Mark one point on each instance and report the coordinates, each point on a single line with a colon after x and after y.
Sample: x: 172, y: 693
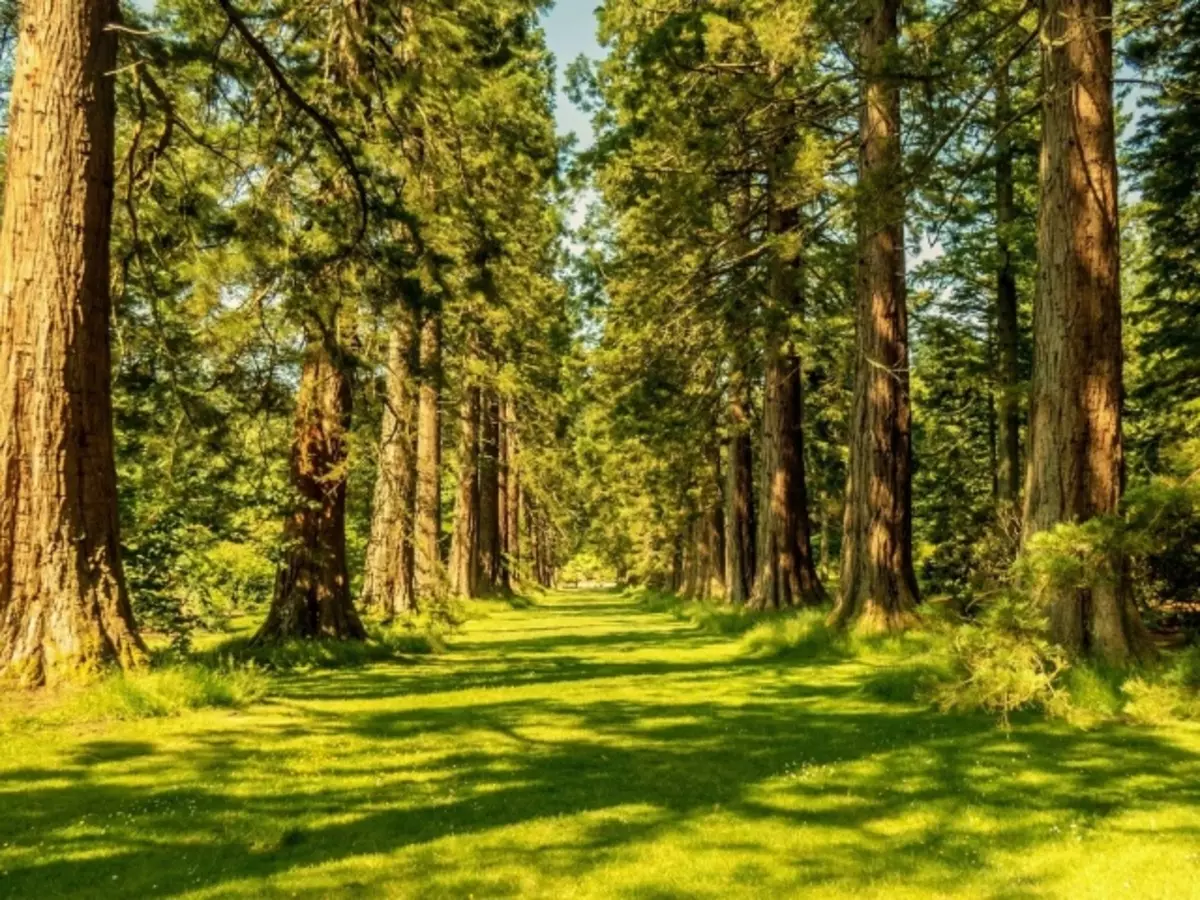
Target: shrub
x: 1005, y: 663
x: 1158, y: 703
x: 803, y: 633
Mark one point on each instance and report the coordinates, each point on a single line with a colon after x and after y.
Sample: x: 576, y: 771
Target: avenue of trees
x: 878, y: 304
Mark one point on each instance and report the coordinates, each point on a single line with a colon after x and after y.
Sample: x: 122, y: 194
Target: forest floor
x: 585, y: 747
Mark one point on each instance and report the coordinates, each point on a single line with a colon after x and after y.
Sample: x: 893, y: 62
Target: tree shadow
x: 421, y: 755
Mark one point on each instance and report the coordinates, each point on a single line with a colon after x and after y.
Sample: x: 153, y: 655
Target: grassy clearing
x: 592, y: 748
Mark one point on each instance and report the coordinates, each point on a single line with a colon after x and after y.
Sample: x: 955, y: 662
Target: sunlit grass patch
x: 385, y: 643
x: 588, y: 748
x: 165, y: 690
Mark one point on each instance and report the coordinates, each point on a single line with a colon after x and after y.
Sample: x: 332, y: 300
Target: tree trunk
x: 489, y: 496
x: 63, y: 602
x: 879, y: 587
x: 512, y: 545
x: 430, y: 576
x: 1076, y: 466
x: 787, y: 575
x: 1008, y: 376
x: 716, y: 515
x: 503, y: 479
x: 312, y: 592
x: 464, y: 548
x: 740, y: 518
x: 388, y: 578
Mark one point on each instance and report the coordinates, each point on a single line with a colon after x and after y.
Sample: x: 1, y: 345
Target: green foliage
x: 801, y: 635
x: 1006, y: 662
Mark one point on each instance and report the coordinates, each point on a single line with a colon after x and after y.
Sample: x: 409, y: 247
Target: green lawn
x: 587, y: 748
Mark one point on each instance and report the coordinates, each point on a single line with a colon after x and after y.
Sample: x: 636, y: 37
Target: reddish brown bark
x: 878, y: 585
x: 1076, y: 466
x: 63, y: 601
x: 490, y: 554
x: 430, y: 573
x: 388, y: 580
x: 787, y: 575
x: 508, y: 487
x: 740, y: 512
x: 312, y: 591
x: 464, y: 547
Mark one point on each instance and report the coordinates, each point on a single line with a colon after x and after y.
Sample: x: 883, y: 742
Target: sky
x: 571, y: 32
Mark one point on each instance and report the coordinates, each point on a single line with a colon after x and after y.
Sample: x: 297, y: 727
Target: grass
x: 590, y: 747
x: 166, y: 690
x: 386, y: 644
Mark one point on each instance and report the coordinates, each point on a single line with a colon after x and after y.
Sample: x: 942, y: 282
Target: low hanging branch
x: 328, y: 129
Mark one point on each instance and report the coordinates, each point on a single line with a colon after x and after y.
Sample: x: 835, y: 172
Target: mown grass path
x: 587, y: 748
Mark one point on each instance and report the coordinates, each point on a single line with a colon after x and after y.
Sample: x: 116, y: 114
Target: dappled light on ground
x: 586, y: 747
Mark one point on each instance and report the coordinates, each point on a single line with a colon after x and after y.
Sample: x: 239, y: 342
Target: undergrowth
x: 159, y: 692
x: 385, y: 643
x: 1001, y: 664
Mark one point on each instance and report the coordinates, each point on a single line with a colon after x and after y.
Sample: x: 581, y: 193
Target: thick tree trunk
x: 787, y: 575
x: 490, y: 557
x: 312, y: 592
x: 1076, y: 466
x: 63, y: 601
x: 879, y: 587
x: 388, y: 579
x: 464, y: 547
x: 1008, y: 376
x: 430, y: 575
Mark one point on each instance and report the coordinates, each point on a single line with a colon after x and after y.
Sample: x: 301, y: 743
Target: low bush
x: 804, y: 633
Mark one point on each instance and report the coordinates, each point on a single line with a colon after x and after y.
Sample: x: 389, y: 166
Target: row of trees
x: 765, y: 169
x: 317, y: 227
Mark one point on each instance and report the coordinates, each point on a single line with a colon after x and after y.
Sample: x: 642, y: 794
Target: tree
x: 464, y: 550
x: 312, y: 593
x: 490, y: 558
x: 787, y: 574
x: 429, y: 569
x: 63, y: 600
x: 879, y: 587
x: 1076, y: 466
x: 388, y: 580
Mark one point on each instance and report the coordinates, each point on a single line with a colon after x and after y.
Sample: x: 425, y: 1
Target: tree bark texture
x: 430, y: 574
x: 490, y: 554
x: 740, y: 513
x: 388, y: 580
x: 64, y: 607
x: 787, y: 575
x: 512, y: 497
x: 464, y: 547
x: 1076, y: 466
x: 878, y: 584
x: 312, y: 591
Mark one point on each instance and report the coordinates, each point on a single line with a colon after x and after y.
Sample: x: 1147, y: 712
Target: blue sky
x: 571, y: 32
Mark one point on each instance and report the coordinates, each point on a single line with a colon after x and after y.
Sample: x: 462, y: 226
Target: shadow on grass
x: 207, y: 817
